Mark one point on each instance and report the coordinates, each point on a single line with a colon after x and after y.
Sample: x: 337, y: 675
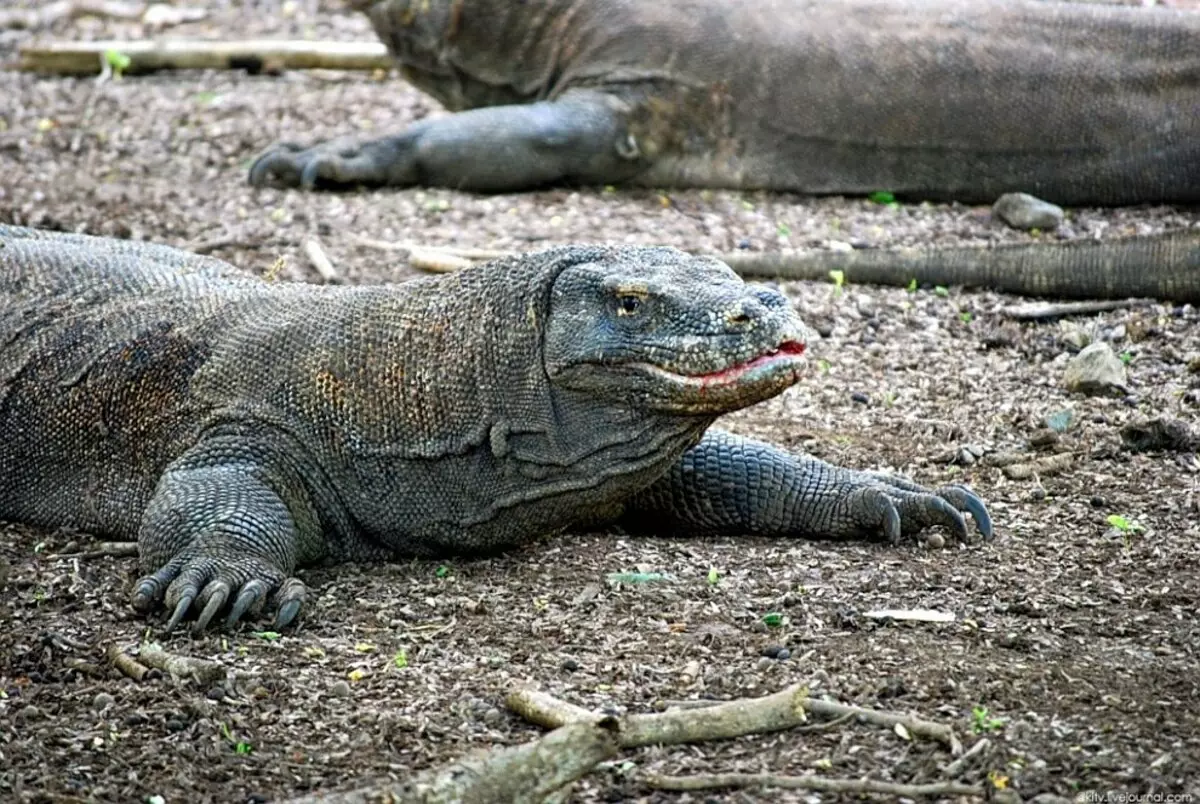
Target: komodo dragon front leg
x: 729, y: 484
x: 579, y: 138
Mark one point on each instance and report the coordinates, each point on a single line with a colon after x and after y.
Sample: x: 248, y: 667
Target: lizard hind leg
x: 214, y: 538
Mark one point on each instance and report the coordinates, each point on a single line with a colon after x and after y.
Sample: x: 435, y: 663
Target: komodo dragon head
x: 660, y: 329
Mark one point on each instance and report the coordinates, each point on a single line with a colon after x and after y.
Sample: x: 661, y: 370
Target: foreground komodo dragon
x: 939, y: 99
x: 240, y: 428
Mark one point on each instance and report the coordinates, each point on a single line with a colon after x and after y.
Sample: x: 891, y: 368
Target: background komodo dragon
x: 938, y: 99
x: 240, y: 428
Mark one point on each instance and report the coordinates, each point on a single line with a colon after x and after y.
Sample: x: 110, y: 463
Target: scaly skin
x: 942, y: 99
x: 240, y: 429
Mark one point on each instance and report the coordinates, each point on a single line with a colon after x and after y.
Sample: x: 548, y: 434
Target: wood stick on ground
x: 531, y: 772
x: 154, y: 14
x: 125, y: 663
x: 102, y: 550
x: 254, y: 55
x: 777, y: 712
x: 743, y: 780
x: 202, y: 670
x: 1043, y: 312
x: 1048, y: 465
x: 320, y: 261
x: 956, y: 767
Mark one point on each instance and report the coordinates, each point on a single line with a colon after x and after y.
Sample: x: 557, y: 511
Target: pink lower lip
x: 786, y: 350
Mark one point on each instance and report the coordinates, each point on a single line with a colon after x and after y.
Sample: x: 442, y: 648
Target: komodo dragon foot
x: 731, y: 484
x: 223, y: 534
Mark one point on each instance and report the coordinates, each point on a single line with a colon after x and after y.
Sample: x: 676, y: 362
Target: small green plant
x: 912, y: 285
x: 1123, y: 524
x: 889, y: 399
x: 773, y: 619
x: 839, y: 281
x: 400, y: 660
x: 882, y: 197
x: 941, y: 290
x: 117, y: 61
x: 783, y: 230
x: 1127, y: 357
x: 966, y: 317
x: 982, y: 720
x: 269, y: 636
x: 442, y: 571
x: 243, y: 748
x: 823, y: 366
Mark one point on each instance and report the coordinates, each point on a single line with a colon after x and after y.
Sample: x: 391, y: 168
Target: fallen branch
x: 532, y: 772
x: 152, y: 14
x: 102, y: 550
x: 956, y: 767
x: 783, y: 710
x: 202, y: 670
x: 253, y: 55
x: 125, y: 663
x: 1043, y: 312
x: 320, y: 262
x: 1048, y: 465
x: 718, y: 781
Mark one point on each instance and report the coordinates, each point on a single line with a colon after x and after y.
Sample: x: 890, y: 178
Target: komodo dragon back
x: 941, y: 99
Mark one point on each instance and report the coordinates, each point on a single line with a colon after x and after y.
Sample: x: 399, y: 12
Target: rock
x: 340, y: 689
x: 1096, y: 370
x: 1023, y: 211
x: 102, y: 701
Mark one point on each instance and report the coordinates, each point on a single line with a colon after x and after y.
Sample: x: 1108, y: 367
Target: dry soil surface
x: 1074, y: 647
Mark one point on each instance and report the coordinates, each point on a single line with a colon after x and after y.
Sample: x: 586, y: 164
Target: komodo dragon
x: 939, y: 99
x: 240, y: 429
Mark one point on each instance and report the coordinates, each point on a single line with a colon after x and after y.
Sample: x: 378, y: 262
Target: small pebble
x: 30, y: 712
x: 570, y: 665
x: 175, y: 724
x: 340, y: 688
x: 744, y: 243
x: 773, y: 651
x: 102, y: 701
x: 935, y: 541
x: 217, y: 693
x: 1098, y: 502
x: 860, y: 398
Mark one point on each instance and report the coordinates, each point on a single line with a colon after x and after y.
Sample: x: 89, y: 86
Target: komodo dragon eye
x: 628, y: 304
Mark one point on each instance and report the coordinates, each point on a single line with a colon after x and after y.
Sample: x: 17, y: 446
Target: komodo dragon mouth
x: 735, y: 386
x: 783, y: 357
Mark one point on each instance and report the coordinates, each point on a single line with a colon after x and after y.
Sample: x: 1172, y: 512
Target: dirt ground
x: 1080, y: 640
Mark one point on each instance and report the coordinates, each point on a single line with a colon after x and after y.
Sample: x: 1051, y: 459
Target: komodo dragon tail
x: 1163, y: 266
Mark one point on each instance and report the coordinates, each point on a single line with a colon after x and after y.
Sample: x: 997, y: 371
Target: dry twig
x: 320, y: 261
x: 125, y: 663
x: 535, y: 771
x: 102, y: 550
x: 1042, y: 312
x: 743, y: 780
x: 202, y: 670
x: 782, y: 710
x: 254, y: 55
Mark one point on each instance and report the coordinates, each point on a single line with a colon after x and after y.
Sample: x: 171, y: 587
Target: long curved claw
x: 278, y: 162
x: 217, y: 593
x: 964, y: 499
x: 253, y: 593
x: 289, y: 599
x: 149, y: 591
x: 181, y: 610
